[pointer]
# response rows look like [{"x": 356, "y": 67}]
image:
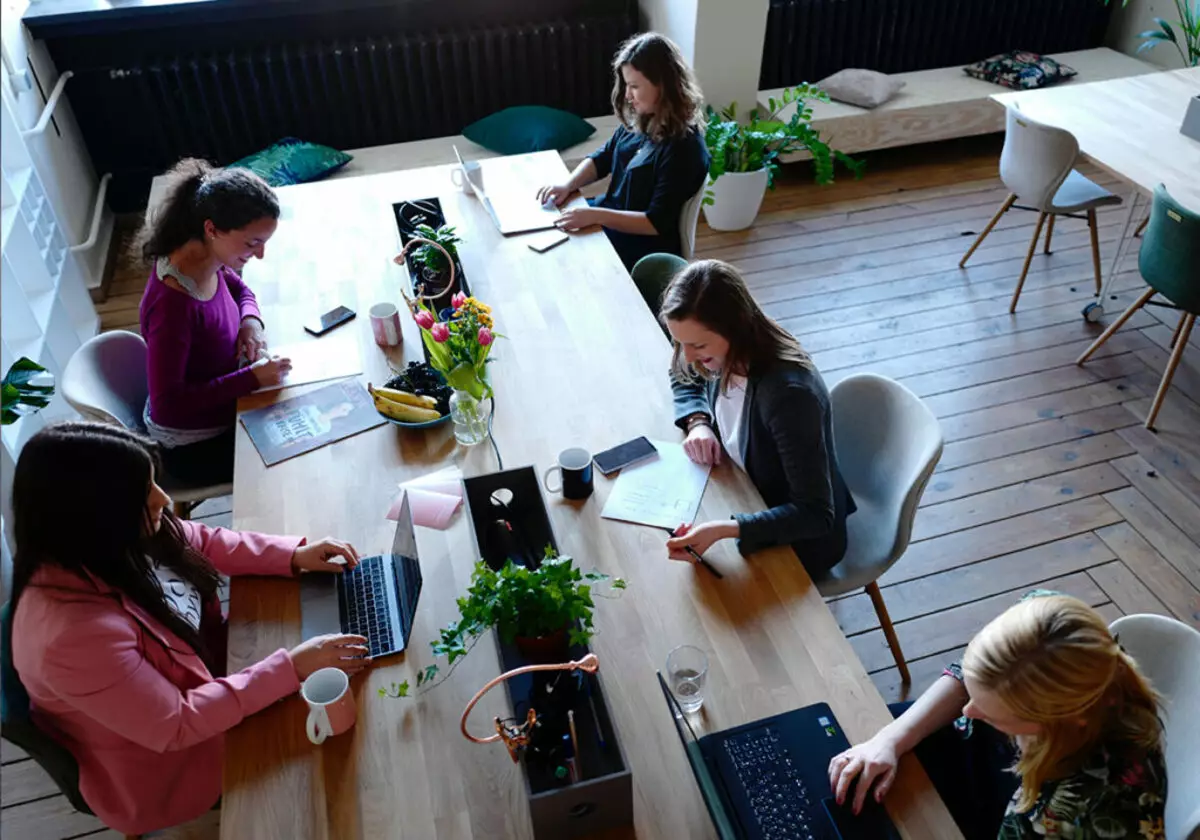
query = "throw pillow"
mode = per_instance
[
  {"x": 528, "y": 128},
  {"x": 292, "y": 161},
  {"x": 1020, "y": 69},
  {"x": 864, "y": 88}
]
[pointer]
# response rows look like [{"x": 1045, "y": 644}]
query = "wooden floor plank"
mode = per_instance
[
  {"x": 1163, "y": 494},
  {"x": 952, "y": 588},
  {"x": 997, "y": 538},
  {"x": 1187, "y": 375},
  {"x": 10, "y": 752},
  {"x": 1006, "y": 502},
  {"x": 948, "y": 485},
  {"x": 47, "y": 819},
  {"x": 924, "y": 672},
  {"x": 1152, "y": 569},
  {"x": 23, "y": 782},
  {"x": 1159, "y": 531},
  {"x": 1171, "y": 455},
  {"x": 952, "y": 628},
  {"x": 1124, "y": 589}
]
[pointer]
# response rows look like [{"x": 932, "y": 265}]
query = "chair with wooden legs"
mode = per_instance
[
  {"x": 1169, "y": 261},
  {"x": 887, "y": 443},
  {"x": 1037, "y": 165}
]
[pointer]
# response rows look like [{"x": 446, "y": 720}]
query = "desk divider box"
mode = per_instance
[{"x": 603, "y": 797}]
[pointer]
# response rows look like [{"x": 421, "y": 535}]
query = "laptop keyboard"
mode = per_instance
[
  {"x": 778, "y": 797},
  {"x": 365, "y": 604}
]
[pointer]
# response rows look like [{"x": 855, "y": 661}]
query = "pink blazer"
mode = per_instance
[{"x": 134, "y": 705}]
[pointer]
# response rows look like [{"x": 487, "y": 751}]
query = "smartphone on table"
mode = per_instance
[
  {"x": 332, "y": 318},
  {"x": 625, "y": 455}
]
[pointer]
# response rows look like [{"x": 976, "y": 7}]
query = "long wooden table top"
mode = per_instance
[
  {"x": 583, "y": 363},
  {"x": 1129, "y": 127}
]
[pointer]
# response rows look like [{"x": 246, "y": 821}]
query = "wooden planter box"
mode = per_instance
[{"x": 602, "y": 798}]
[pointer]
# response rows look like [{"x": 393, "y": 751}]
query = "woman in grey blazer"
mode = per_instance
[{"x": 745, "y": 389}]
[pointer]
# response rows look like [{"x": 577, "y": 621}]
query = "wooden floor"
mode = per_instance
[{"x": 1048, "y": 478}]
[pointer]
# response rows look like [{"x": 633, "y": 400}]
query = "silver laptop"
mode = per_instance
[
  {"x": 513, "y": 206},
  {"x": 377, "y": 599}
]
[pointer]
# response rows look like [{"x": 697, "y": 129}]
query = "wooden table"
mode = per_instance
[
  {"x": 1130, "y": 128},
  {"x": 583, "y": 363}
]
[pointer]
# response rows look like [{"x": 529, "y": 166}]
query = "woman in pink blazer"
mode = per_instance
[{"x": 117, "y": 629}]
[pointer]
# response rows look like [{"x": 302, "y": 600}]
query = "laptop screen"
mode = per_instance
[
  {"x": 700, "y": 769},
  {"x": 406, "y": 568}
]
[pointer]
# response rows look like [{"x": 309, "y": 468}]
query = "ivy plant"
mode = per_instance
[{"x": 516, "y": 601}]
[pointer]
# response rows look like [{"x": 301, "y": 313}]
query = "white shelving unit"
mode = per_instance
[{"x": 46, "y": 312}]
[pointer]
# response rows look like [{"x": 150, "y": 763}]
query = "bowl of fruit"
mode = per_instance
[{"x": 416, "y": 398}]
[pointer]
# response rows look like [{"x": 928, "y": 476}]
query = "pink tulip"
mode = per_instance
[
  {"x": 485, "y": 337},
  {"x": 458, "y": 300},
  {"x": 440, "y": 333},
  {"x": 424, "y": 319}
]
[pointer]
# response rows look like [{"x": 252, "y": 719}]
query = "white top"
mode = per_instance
[
  {"x": 180, "y": 595},
  {"x": 729, "y": 418}
]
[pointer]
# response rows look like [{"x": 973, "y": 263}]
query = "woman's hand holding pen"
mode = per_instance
[{"x": 699, "y": 538}]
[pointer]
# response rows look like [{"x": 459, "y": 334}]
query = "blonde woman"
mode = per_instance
[
  {"x": 657, "y": 157},
  {"x": 1051, "y": 707}
]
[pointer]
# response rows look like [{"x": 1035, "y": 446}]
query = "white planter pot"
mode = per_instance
[{"x": 736, "y": 199}]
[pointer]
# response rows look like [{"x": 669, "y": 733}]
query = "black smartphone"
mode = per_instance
[
  {"x": 332, "y": 318},
  {"x": 628, "y": 453}
]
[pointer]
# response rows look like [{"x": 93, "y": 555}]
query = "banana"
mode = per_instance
[
  {"x": 398, "y": 396},
  {"x": 404, "y": 413}
]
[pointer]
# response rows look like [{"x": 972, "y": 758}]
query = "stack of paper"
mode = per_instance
[
  {"x": 664, "y": 491},
  {"x": 318, "y": 360},
  {"x": 432, "y": 498}
]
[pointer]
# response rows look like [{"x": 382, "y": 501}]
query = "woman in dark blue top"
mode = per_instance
[{"x": 657, "y": 157}]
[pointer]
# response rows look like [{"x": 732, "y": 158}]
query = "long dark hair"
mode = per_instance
[
  {"x": 680, "y": 104},
  {"x": 714, "y": 293},
  {"x": 101, "y": 474},
  {"x": 198, "y": 192}
]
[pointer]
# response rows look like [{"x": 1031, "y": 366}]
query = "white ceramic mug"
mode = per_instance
[
  {"x": 385, "y": 324},
  {"x": 331, "y": 708},
  {"x": 460, "y": 179}
]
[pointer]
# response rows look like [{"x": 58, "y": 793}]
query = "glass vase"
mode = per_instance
[{"x": 470, "y": 418}]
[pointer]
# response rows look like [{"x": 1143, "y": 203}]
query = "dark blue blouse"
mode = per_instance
[{"x": 653, "y": 178}]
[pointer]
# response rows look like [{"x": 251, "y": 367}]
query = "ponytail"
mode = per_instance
[{"x": 198, "y": 192}]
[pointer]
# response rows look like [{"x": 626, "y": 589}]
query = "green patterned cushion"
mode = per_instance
[
  {"x": 292, "y": 161},
  {"x": 529, "y": 128}
]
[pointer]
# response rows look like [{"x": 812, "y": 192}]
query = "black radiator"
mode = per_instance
[
  {"x": 808, "y": 40},
  {"x": 138, "y": 119}
]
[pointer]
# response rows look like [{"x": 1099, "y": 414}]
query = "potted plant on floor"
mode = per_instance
[
  {"x": 745, "y": 158},
  {"x": 543, "y": 611}
]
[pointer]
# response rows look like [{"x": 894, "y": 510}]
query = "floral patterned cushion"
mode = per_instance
[{"x": 1020, "y": 69}]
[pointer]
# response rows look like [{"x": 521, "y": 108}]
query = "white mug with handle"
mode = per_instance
[{"x": 459, "y": 176}]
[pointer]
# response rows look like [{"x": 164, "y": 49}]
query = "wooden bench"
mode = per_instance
[{"x": 941, "y": 104}]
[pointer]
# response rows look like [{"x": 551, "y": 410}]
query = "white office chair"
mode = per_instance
[
  {"x": 688, "y": 219},
  {"x": 106, "y": 380},
  {"x": 1037, "y": 166},
  {"x": 1168, "y": 652},
  {"x": 887, "y": 444}
]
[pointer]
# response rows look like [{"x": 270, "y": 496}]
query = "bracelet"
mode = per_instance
[{"x": 698, "y": 420}]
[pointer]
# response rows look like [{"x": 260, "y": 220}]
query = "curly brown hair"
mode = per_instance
[{"x": 681, "y": 104}]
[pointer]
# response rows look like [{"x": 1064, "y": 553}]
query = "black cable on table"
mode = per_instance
[{"x": 491, "y": 437}]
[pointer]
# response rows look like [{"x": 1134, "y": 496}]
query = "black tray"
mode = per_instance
[{"x": 426, "y": 211}]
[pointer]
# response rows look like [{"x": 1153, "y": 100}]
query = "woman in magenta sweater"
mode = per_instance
[
  {"x": 205, "y": 335},
  {"x": 117, "y": 631}
]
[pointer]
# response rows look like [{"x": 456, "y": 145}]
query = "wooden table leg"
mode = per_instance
[{"x": 1122, "y": 244}]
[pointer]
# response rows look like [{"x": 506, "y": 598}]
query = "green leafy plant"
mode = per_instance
[
  {"x": 27, "y": 388},
  {"x": 764, "y": 139},
  {"x": 431, "y": 258},
  {"x": 1186, "y": 41},
  {"x": 518, "y": 602}
]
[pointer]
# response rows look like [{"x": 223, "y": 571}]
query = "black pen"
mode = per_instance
[{"x": 697, "y": 557}]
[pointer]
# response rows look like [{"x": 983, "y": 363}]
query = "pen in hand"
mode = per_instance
[{"x": 700, "y": 559}]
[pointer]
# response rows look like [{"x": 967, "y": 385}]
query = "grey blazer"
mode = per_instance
[{"x": 787, "y": 448}]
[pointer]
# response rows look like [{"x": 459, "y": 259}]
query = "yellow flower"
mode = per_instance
[{"x": 1151, "y": 829}]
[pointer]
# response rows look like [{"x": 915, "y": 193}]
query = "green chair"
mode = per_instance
[
  {"x": 1169, "y": 261},
  {"x": 652, "y": 274}
]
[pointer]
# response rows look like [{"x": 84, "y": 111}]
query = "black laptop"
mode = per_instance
[
  {"x": 376, "y": 599},
  {"x": 769, "y": 780}
]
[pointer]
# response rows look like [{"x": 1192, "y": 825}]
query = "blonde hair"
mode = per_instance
[
  {"x": 1052, "y": 661},
  {"x": 715, "y": 294},
  {"x": 681, "y": 104}
]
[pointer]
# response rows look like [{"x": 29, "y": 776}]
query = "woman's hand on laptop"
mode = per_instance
[
  {"x": 333, "y": 651},
  {"x": 874, "y": 761},
  {"x": 327, "y": 555},
  {"x": 558, "y": 193},
  {"x": 578, "y": 218}
]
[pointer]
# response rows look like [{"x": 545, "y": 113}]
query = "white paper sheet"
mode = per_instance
[
  {"x": 317, "y": 361},
  {"x": 664, "y": 491}
]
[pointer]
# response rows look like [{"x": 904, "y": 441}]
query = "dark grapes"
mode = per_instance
[{"x": 420, "y": 379}]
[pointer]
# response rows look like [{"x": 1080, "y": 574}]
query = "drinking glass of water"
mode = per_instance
[{"x": 687, "y": 668}]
